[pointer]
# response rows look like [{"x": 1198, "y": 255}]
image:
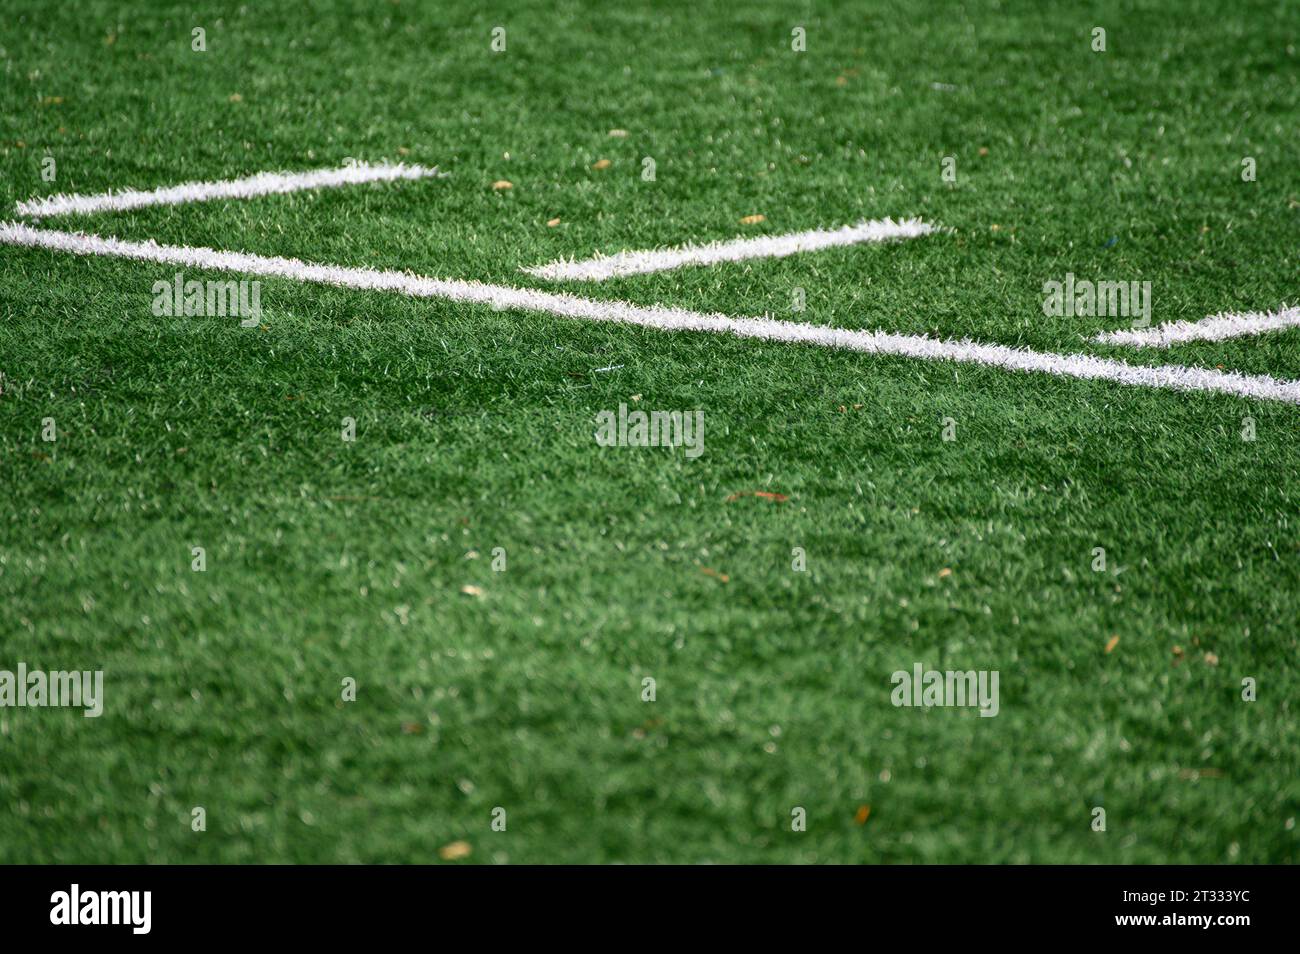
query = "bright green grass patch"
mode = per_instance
[{"x": 328, "y": 559}]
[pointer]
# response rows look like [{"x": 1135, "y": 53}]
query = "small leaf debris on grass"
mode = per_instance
[
  {"x": 1211, "y": 659},
  {"x": 648, "y": 725},
  {"x": 502, "y": 184},
  {"x": 412, "y": 728},
  {"x": 455, "y": 851},
  {"x": 236, "y": 98},
  {"x": 945, "y": 572},
  {"x": 766, "y": 495},
  {"x": 469, "y": 590},
  {"x": 552, "y": 223},
  {"x": 862, "y": 814},
  {"x": 601, "y": 164},
  {"x": 1178, "y": 654},
  {"x": 618, "y": 133},
  {"x": 753, "y": 219},
  {"x": 1112, "y": 643},
  {"x": 710, "y": 571}
]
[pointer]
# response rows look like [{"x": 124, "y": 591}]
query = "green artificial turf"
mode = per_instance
[{"x": 329, "y": 560}]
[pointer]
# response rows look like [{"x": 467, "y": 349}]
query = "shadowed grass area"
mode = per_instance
[{"x": 329, "y": 560}]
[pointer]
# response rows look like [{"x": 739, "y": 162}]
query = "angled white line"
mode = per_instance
[
  {"x": 670, "y": 319},
  {"x": 1214, "y": 328},
  {"x": 264, "y": 183},
  {"x": 602, "y": 267}
]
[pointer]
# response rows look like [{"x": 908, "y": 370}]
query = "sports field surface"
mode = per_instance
[{"x": 459, "y": 629}]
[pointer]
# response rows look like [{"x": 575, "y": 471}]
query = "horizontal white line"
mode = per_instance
[
  {"x": 670, "y": 319},
  {"x": 264, "y": 183},
  {"x": 1214, "y": 328},
  {"x": 765, "y": 246}
]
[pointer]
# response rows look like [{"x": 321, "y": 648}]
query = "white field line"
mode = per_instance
[
  {"x": 765, "y": 246},
  {"x": 264, "y": 183},
  {"x": 671, "y": 319},
  {"x": 1214, "y": 328}
]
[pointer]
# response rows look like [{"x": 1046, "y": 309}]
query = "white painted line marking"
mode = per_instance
[
  {"x": 602, "y": 267},
  {"x": 264, "y": 183},
  {"x": 671, "y": 319},
  {"x": 1214, "y": 328}
]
